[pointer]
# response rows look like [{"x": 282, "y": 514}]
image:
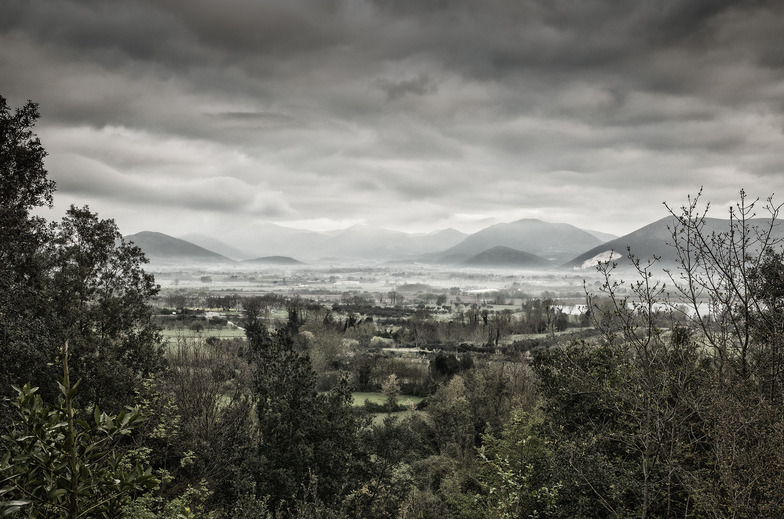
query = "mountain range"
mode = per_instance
[
  {"x": 164, "y": 249},
  {"x": 535, "y": 244},
  {"x": 523, "y": 244},
  {"x": 555, "y": 242}
]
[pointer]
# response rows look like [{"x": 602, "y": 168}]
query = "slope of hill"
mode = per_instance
[
  {"x": 365, "y": 242},
  {"x": 277, "y": 240},
  {"x": 652, "y": 239},
  {"x": 601, "y": 236},
  {"x": 164, "y": 249},
  {"x": 438, "y": 240},
  {"x": 216, "y": 245},
  {"x": 274, "y": 260},
  {"x": 644, "y": 243},
  {"x": 556, "y": 242},
  {"x": 507, "y": 258}
]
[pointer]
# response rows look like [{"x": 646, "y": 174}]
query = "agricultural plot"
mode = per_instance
[{"x": 360, "y": 397}]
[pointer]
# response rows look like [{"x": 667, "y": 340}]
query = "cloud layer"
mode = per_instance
[{"x": 214, "y": 117}]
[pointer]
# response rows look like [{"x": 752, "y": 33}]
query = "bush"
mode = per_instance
[{"x": 56, "y": 465}]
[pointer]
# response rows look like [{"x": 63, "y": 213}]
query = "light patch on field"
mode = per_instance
[
  {"x": 358, "y": 398},
  {"x": 602, "y": 257}
]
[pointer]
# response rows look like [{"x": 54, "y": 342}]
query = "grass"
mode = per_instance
[
  {"x": 379, "y": 398},
  {"x": 169, "y": 333},
  {"x": 521, "y": 336}
]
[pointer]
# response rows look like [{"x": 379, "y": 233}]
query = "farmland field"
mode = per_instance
[{"x": 379, "y": 398}]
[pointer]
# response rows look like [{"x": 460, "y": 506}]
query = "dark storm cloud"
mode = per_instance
[{"x": 349, "y": 110}]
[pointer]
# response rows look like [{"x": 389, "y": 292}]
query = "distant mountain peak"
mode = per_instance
[
  {"x": 556, "y": 242},
  {"x": 162, "y": 248},
  {"x": 652, "y": 240},
  {"x": 501, "y": 256}
]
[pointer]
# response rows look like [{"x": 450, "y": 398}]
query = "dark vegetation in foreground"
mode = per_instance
[{"x": 668, "y": 405}]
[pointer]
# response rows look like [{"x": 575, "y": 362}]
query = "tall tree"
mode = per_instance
[
  {"x": 99, "y": 296},
  {"x": 24, "y": 186},
  {"x": 308, "y": 441},
  {"x": 74, "y": 280}
]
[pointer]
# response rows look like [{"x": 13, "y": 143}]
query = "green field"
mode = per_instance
[
  {"x": 379, "y": 398},
  {"x": 169, "y": 333}
]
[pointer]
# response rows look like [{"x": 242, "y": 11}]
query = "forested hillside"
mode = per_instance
[{"x": 663, "y": 398}]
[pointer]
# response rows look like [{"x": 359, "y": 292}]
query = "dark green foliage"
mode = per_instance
[
  {"x": 304, "y": 435},
  {"x": 394, "y": 446},
  {"x": 623, "y": 413},
  {"x": 71, "y": 281},
  {"x": 99, "y": 299},
  {"x": 579, "y": 384},
  {"x": 680, "y": 424},
  {"x": 515, "y": 469},
  {"x": 92, "y": 292},
  {"x": 201, "y": 427},
  {"x": 23, "y": 187},
  {"x": 766, "y": 284},
  {"x": 447, "y": 365},
  {"x": 256, "y": 332},
  {"x": 24, "y": 183},
  {"x": 542, "y": 316},
  {"x": 58, "y": 465}
]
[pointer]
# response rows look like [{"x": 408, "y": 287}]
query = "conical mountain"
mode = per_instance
[
  {"x": 654, "y": 239},
  {"x": 164, "y": 249},
  {"x": 504, "y": 257},
  {"x": 556, "y": 242}
]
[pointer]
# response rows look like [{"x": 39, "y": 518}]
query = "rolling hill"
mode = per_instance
[
  {"x": 555, "y": 242},
  {"x": 644, "y": 243},
  {"x": 504, "y": 257},
  {"x": 365, "y": 242},
  {"x": 652, "y": 239},
  {"x": 164, "y": 249},
  {"x": 216, "y": 245},
  {"x": 276, "y": 240}
]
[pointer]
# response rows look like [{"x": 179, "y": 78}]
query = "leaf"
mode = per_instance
[
  {"x": 13, "y": 506},
  {"x": 57, "y": 492}
]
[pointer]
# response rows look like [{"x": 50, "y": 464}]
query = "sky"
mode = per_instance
[{"x": 220, "y": 117}]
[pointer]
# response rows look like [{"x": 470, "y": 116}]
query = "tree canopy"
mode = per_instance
[{"x": 73, "y": 280}]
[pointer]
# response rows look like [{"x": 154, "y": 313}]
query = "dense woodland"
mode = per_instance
[{"x": 666, "y": 401}]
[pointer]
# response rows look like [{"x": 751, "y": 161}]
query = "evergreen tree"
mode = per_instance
[{"x": 308, "y": 441}]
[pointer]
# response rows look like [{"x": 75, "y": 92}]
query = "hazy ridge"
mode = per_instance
[
  {"x": 655, "y": 239},
  {"x": 530, "y": 243}
]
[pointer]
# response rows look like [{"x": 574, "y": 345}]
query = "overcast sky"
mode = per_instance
[{"x": 216, "y": 116}]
